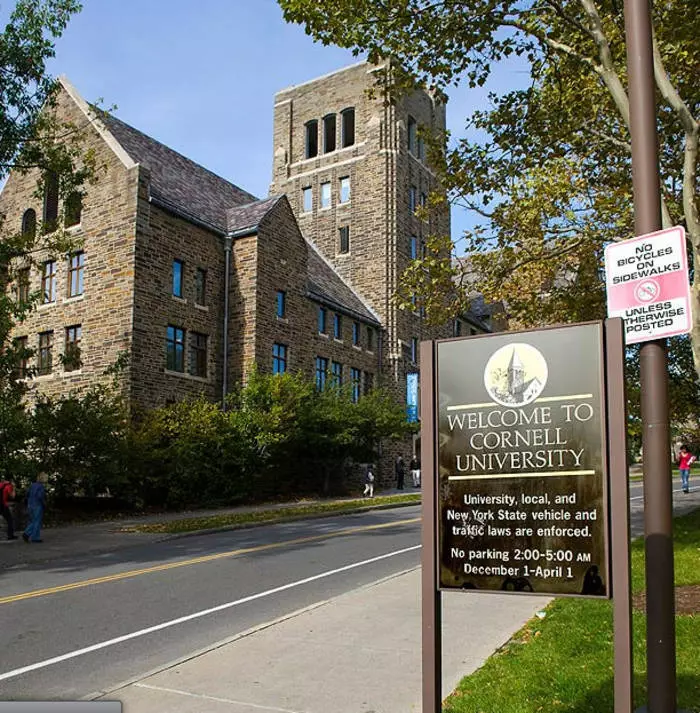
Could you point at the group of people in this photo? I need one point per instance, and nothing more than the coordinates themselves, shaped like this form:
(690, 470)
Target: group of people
(36, 504)
(400, 471)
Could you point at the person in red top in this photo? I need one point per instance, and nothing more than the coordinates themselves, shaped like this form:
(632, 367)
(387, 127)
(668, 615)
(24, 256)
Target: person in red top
(7, 493)
(685, 460)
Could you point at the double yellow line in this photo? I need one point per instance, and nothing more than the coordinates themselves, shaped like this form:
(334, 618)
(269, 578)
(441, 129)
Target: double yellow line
(197, 560)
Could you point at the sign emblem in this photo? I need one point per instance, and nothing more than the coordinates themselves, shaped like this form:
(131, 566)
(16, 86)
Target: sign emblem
(515, 375)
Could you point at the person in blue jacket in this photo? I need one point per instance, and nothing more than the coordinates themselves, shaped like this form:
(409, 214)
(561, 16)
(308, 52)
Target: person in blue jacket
(36, 504)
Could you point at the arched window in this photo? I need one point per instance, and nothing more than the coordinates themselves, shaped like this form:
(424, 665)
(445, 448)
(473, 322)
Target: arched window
(50, 201)
(329, 133)
(29, 223)
(311, 139)
(74, 208)
(347, 127)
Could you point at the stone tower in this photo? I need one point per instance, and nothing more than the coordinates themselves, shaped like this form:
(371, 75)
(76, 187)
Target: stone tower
(354, 169)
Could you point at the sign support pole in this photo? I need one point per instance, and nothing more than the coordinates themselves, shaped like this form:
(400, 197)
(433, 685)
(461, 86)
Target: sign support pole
(661, 633)
(430, 595)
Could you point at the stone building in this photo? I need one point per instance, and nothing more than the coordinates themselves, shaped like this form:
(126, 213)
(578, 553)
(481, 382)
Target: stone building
(173, 262)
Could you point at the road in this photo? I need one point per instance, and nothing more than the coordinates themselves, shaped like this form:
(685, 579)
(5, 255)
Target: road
(49, 615)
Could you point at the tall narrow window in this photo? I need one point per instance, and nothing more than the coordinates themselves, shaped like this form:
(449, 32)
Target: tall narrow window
(281, 303)
(73, 209)
(414, 247)
(175, 349)
(369, 382)
(321, 372)
(198, 355)
(356, 334)
(457, 328)
(200, 287)
(329, 133)
(326, 194)
(29, 223)
(50, 201)
(337, 326)
(279, 358)
(423, 200)
(307, 199)
(412, 198)
(421, 148)
(370, 339)
(344, 239)
(48, 282)
(344, 189)
(22, 355)
(412, 135)
(71, 355)
(23, 278)
(76, 265)
(347, 127)
(311, 139)
(337, 374)
(414, 350)
(322, 320)
(177, 278)
(45, 365)
(356, 379)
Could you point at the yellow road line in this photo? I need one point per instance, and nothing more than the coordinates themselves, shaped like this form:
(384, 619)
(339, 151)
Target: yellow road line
(196, 560)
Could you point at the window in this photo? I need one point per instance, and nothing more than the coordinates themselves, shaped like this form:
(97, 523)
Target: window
(423, 249)
(50, 201)
(344, 189)
(344, 239)
(414, 247)
(329, 133)
(175, 349)
(412, 198)
(336, 374)
(412, 135)
(370, 339)
(76, 265)
(73, 209)
(29, 223)
(200, 287)
(337, 326)
(23, 277)
(48, 282)
(423, 200)
(421, 149)
(457, 328)
(321, 372)
(279, 358)
(45, 365)
(414, 350)
(281, 303)
(347, 127)
(355, 379)
(322, 320)
(356, 333)
(307, 199)
(326, 194)
(71, 356)
(177, 278)
(311, 140)
(198, 355)
(369, 382)
(22, 355)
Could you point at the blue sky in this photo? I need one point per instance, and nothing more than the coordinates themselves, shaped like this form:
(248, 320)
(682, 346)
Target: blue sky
(201, 76)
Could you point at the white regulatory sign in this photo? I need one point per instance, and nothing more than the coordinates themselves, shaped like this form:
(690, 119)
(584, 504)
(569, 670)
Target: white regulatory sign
(647, 284)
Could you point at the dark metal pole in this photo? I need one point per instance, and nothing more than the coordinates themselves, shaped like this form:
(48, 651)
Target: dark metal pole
(661, 629)
(430, 595)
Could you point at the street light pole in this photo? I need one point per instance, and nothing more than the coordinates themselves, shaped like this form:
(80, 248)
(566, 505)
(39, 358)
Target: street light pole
(658, 522)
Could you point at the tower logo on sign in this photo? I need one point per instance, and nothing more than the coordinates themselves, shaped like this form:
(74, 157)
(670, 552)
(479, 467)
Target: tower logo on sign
(515, 375)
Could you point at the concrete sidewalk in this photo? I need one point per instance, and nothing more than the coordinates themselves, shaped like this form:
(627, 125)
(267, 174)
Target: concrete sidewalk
(357, 653)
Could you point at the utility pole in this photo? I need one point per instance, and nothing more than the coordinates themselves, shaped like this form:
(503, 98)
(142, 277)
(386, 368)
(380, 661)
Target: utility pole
(658, 517)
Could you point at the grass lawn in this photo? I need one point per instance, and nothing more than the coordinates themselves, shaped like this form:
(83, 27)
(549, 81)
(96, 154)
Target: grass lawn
(268, 515)
(564, 662)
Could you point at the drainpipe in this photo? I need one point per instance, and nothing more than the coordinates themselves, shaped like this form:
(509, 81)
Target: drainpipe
(228, 240)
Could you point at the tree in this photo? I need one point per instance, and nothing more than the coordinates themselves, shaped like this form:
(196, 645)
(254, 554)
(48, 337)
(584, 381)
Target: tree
(550, 178)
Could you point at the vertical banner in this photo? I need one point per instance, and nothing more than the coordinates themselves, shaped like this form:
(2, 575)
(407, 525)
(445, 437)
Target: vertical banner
(412, 397)
(522, 481)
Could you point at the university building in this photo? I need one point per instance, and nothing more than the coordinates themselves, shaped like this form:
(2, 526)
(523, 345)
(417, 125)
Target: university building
(191, 281)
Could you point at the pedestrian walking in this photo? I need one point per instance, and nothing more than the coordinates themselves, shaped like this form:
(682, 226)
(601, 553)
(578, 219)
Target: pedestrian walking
(369, 482)
(36, 504)
(7, 493)
(400, 472)
(685, 460)
(415, 471)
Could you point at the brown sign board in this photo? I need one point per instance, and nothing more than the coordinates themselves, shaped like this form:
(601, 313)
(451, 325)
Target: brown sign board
(522, 467)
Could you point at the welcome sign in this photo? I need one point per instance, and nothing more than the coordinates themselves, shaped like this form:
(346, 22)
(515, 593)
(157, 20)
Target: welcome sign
(522, 494)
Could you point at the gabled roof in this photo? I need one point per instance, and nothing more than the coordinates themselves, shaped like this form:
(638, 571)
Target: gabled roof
(325, 285)
(247, 217)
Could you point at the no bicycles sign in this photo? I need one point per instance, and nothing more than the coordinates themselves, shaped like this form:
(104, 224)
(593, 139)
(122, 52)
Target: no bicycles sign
(647, 285)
